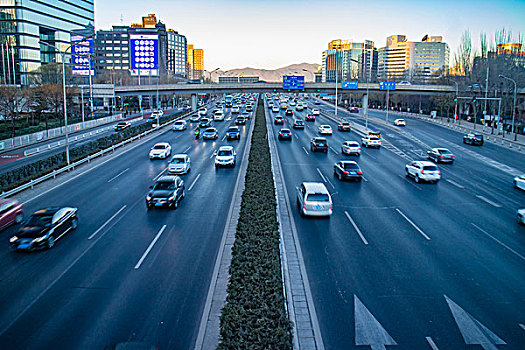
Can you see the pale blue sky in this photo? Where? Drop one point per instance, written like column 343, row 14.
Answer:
column 271, row 34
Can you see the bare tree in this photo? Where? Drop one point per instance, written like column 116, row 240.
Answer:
column 463, row 55
column 13, row 102
column 483, row 43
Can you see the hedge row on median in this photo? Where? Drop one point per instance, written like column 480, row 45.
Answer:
column 14, row 178
column 254, row 316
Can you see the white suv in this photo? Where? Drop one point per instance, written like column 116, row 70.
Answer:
column 325, row 130
column 314, row 199
column 351, row 147
column 371, row 141
column 422, row 170
column 225, row 156
column 315, row 111
column 219, row 116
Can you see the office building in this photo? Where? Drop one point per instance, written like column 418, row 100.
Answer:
column 25, row 23
column 177, row 54
column 112, row 49
column 195, row 63
column 349, row 60
column 409, row 60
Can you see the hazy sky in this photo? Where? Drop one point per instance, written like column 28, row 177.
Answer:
column 271, row 34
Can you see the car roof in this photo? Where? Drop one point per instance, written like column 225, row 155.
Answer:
column 285, row 129
column 179, row 155
column 210, row 130
column 349, row 162
column 48, row 211
column 233, row 127
column 167, row 178
column 315, row 187
column 352, row 142
column 226, row 148
column 424, row 162
column 325, row 126
column 162, row 144
column 319, row 138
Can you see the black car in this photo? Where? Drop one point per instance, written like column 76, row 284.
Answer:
column 310, row 118
column 285, row 134
column 210, row 134
column 353, row 110
column 473, row 139
column 319, row 144
column 348, row 170
column 240, row 121
column 205, row 123
column 44, row 228
column 122, row 125
column 167, row 191
column 246, row 115
column 298, row 124
column 344, row 126
column 289, row 112
column 233, row 133
column 278, row 120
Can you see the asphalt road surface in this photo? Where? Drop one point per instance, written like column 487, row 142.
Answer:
column 411, row 265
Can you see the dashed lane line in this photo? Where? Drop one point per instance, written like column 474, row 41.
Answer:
column 107, row 222
column 486, row 200
column 413, row 225
column 431, row 343
column 150, row 247
column 114, row 177
column 193, row 183
column 497, row 240
column 454, row 183
column 356, row 228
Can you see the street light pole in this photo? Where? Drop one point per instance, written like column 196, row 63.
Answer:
column 456, row 102
column 336, row 75
column 514, row 105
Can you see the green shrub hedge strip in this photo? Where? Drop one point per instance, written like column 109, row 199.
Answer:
column 254, row 316
column 17, row 177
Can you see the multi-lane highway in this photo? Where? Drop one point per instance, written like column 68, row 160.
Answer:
column 417, row 265
column 126, row 274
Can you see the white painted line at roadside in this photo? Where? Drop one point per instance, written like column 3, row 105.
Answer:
column 356, row 228
column 305, row 151
column 320, row 173
column 488, row 201
column 114, row 177
column 187, row 149
column 193, row 183
column 107, row 222
column 413, row 225
column 431, row 343
column 522, row 326
column 497, row 240
column 454, row 183
column 150, row 247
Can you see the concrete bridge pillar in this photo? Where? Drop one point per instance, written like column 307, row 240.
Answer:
column 364, row 104
column 193, row 102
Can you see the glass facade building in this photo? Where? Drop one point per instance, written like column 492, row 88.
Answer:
column 177, row 54
column 23, row 24
column 350, row 61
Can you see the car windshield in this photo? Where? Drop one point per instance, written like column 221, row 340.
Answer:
column 179, row 123
column 374, row 138
column 233, row 130
column 159, row 147
column 444, row 151
column 318, row 197
column 210, row 130
column 224, row 153
column 352, row 144
column 177, row 161
column 479, row 137
column 350, row 166
column 430, row 167
column 40, row 220
column 164, row 186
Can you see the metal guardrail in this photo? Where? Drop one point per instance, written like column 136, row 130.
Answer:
column 87, row 159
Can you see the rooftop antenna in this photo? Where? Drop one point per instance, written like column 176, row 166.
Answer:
column 121, row 19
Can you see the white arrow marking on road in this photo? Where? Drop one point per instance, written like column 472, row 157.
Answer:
column 368, row 331
column 473, row 332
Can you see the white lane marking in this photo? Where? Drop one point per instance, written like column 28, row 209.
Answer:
column 356, row 228
column 330, row 182
column 107, row 222
column 497, row 240
column 305, row 151
column 187, row 149
column 454, row 183
column 114, row 177
column 320, row 173
column 193, row 183
column 522, row 326
column 223, row 138
column 488, row 201
column 333, row 149
column 413, row 225
column 431, row 343
column 368, row 330
column 150, row 247
column 364, row 178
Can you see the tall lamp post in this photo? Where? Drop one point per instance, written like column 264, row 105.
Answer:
column 211, row 72
column 514, row 105
column 63, row 53
column 367, row 94
column 455, row 101
column 336, row 77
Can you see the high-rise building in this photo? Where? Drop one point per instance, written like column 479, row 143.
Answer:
column 349, row 60
column 177, row 54
column 26, row 23
column 409, row 60
column 195, row 63
column 112, row 49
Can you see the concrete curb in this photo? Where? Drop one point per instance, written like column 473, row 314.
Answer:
column 300, row 303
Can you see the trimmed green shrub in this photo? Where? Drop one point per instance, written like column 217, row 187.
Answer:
column 254, row 316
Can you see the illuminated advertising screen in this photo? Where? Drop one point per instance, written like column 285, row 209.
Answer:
column 144, row 54
column 81, row 50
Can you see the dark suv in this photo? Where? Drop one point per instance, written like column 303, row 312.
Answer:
column 473, row 139
column 167, row 191
column 319, row 144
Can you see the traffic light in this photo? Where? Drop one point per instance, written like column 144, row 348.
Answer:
column 474, row 99
column 274, row 90
column 456, row 99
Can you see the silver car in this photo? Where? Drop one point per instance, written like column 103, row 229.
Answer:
column 313, row 199
column 179, row 164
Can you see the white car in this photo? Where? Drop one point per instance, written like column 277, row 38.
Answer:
column 203, row 112
column 219, row 116
column 325, row 130
column 235, row 109
column 521, row 216
column 275, row 109
column 161, row 150
column 160, row 112
column 315, row 111
column 179, row 164
column 351, row 147
column 371, row 141
column 422, row 170
column 400, row 122
column 519, row 182
column 195, row 118
column 225, row 156
column 180, row 125
column 313, row 199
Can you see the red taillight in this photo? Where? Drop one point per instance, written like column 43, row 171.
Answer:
column 440, row 156
column 359, row 173
column 453, row 156
column 422, row 171
column 439, row 172
column 345, row 172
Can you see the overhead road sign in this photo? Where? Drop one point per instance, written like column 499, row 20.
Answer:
column 387, row 85
column 293, row 82
column 350, row 85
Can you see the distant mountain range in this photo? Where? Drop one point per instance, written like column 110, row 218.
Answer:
column 271, row 75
